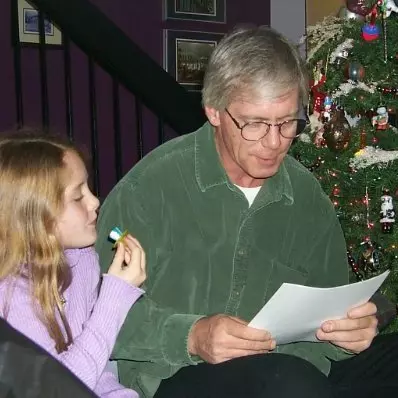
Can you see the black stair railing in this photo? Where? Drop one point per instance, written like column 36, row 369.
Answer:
column 108, row 46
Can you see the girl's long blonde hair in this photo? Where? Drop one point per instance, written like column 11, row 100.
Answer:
column 32, row 186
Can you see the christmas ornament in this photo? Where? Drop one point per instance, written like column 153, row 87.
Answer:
column 337, row 132
column 370, row 32
column 358, row 7
column 390, row 6
column 387, row 212
column 369, row 259
column 340, row 54
column 327, row 109
column 316, row 85
column 381, row 119
column 345, row 13
column 354, row 71
column 341, row 57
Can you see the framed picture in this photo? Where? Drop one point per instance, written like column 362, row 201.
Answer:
column 186, row 55
column 28, row 22
column 198, row 10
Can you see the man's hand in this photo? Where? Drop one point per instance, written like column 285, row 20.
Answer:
column 219, row 338
column 354, row 333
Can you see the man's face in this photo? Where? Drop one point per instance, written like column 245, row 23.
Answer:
column 245, row 161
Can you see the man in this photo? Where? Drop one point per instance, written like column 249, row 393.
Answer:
column 226, row 216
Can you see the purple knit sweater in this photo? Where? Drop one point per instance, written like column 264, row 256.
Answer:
column 95, row 319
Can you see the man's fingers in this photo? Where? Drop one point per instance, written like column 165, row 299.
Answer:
column 241, row 331
column 250, row 345
column 346, row 336
column 349, row 324
column 363, row 311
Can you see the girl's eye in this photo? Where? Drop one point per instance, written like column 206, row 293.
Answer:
column 79, row 198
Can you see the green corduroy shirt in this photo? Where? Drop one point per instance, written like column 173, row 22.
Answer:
column 208, row 252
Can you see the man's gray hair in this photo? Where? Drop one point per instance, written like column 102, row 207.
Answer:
column 253, row 64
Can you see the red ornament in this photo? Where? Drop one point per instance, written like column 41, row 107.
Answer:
column 354, row 71
column 317, row 95
column 336, row 190
column 371, row 31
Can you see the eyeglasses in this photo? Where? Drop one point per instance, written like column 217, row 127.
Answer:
column 255, row 131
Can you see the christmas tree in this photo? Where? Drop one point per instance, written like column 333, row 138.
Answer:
column 351, row 144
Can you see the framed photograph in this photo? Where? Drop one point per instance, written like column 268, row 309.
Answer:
column 28, row 22
column 186, row 55
column 197, row 10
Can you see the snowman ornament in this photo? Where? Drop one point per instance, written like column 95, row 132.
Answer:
column 381, row 119
column 327, row 110
column 391, row 6
column 387, row 213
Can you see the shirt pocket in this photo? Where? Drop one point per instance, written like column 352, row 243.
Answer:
column 282, row 273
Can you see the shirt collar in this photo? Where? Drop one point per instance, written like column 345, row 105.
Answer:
column 210, row 172
column 208, row 169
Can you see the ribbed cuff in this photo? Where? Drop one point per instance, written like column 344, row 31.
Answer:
column 175, row 339
column 116, row 297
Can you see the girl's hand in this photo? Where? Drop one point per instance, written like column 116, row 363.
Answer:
column 129, row 262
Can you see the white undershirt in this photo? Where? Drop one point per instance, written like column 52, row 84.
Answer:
column 250, row 193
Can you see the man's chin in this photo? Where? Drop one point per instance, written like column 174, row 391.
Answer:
column 265, row 172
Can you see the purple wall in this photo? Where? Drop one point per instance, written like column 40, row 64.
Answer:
column 145, row 26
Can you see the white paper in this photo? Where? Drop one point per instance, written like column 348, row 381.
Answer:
column 295, row 312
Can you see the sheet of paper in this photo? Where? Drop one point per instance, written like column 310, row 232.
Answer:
column 295, row 312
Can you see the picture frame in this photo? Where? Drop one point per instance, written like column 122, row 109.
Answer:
column 196, row 10
column 186, row 54
column 28, row 26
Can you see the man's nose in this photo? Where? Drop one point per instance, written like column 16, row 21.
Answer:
column 272, row 139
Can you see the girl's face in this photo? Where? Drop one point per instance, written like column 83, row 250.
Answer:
column 76, row 224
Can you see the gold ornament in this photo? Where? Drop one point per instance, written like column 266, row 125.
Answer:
column 337, row 132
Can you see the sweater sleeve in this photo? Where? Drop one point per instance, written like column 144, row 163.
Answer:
column 89, row 353
column 87, row 356
column 109, row 387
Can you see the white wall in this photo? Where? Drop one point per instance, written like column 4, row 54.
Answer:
column 288, row 17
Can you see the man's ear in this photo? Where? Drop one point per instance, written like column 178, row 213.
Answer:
column 213, row 115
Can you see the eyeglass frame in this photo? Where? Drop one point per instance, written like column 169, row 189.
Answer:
column 269, row 125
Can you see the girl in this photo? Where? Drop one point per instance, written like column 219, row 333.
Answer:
column 49, row 272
